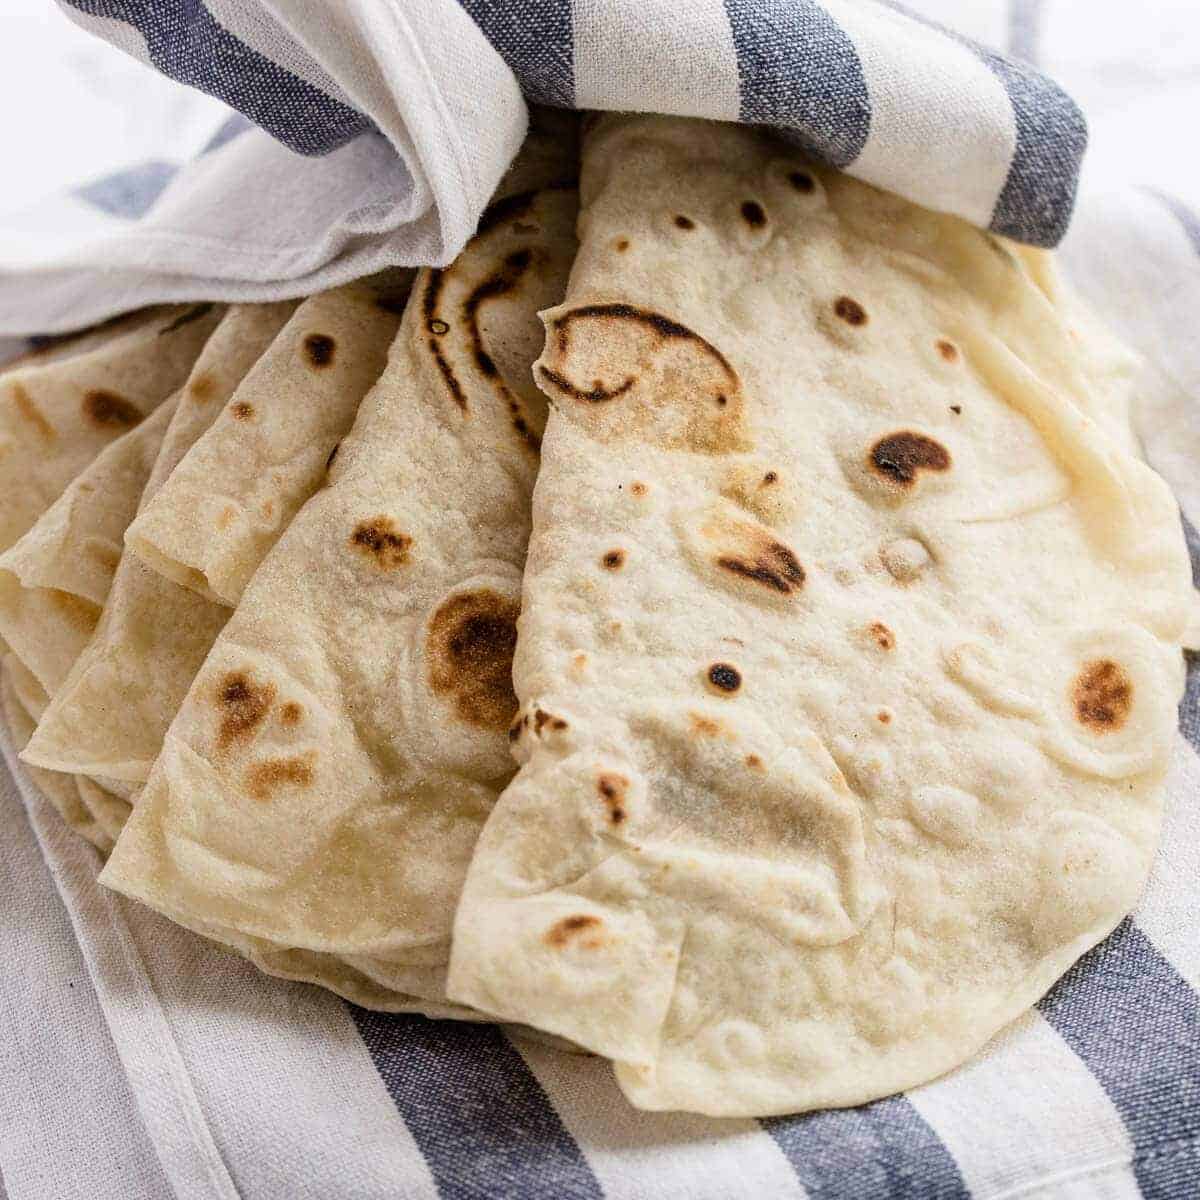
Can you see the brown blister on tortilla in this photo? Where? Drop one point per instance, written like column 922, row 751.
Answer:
column 243, row 705
column 1103, row 696
column 202, row 388
column 319, row 350
column 242, row 411
column 849, row 310
column 265, row 778
column 580, row 930
column 614, row 789
column 675, row 389
column 703, row 726
column 291, row 713
column 900, row 457
column 469, row 648
column 884, row 638
column 31, row 413
column 109, row 410
column 379, row 540
column 613, row 560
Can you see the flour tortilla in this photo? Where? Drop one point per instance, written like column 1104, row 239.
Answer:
column 849, row 650
column 320, row 791
column 239, row 486
column 17, row 686
column 108, row 717
column 59, row 409
column 108, row 810
column 55, row 579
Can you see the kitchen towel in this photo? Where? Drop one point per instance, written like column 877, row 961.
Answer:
column 372, row 132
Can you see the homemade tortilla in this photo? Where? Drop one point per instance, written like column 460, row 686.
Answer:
column 850, row 643
column 319, row 794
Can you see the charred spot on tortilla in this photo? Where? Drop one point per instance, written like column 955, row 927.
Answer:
column 662, row 329
column 186, row 318
column 613, row 560
column 243, row 705
column 380, row 540
column 772, row 564
column 771, row 477
column 319, row 349
column 682, row 222
column 470, row 645
column 948, row 350
column 242, row 411
column 884, row 638
column 452, row 384
column 291, row 713
column 108, row 409
column 595, row 394
column 31, row 413
column 201, row 388
column 622, row 244
column 956, row 409
column 850, row 311
column 581, row 929
column 802, row 181
column 1103, row 696
column 613, row 789
column 753, row 214
column 265, row 778
column 900, row 456
column 438, row 326
column 724, row 678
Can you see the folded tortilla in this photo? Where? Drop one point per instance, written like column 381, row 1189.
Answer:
column 60, row 408
column 20, row 697
column 319, row 794
column 55, row 579
column 109, row 714
column 238, row 487
column 850, row 643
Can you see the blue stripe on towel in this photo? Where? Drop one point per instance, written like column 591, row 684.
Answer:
column 130, row 193
column 881, row 1150
column 186, row 43
column 799, row 70
column 537, row 40
column 1135, row 1023
column 480, row 1118
column 1038, row 196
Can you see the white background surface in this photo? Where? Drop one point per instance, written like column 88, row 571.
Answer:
column 76, row 107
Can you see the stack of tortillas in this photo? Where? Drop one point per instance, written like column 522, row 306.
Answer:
column 849, row 637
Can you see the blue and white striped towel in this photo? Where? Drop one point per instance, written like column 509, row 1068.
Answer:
column 139, row 1062
column 391, row 123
